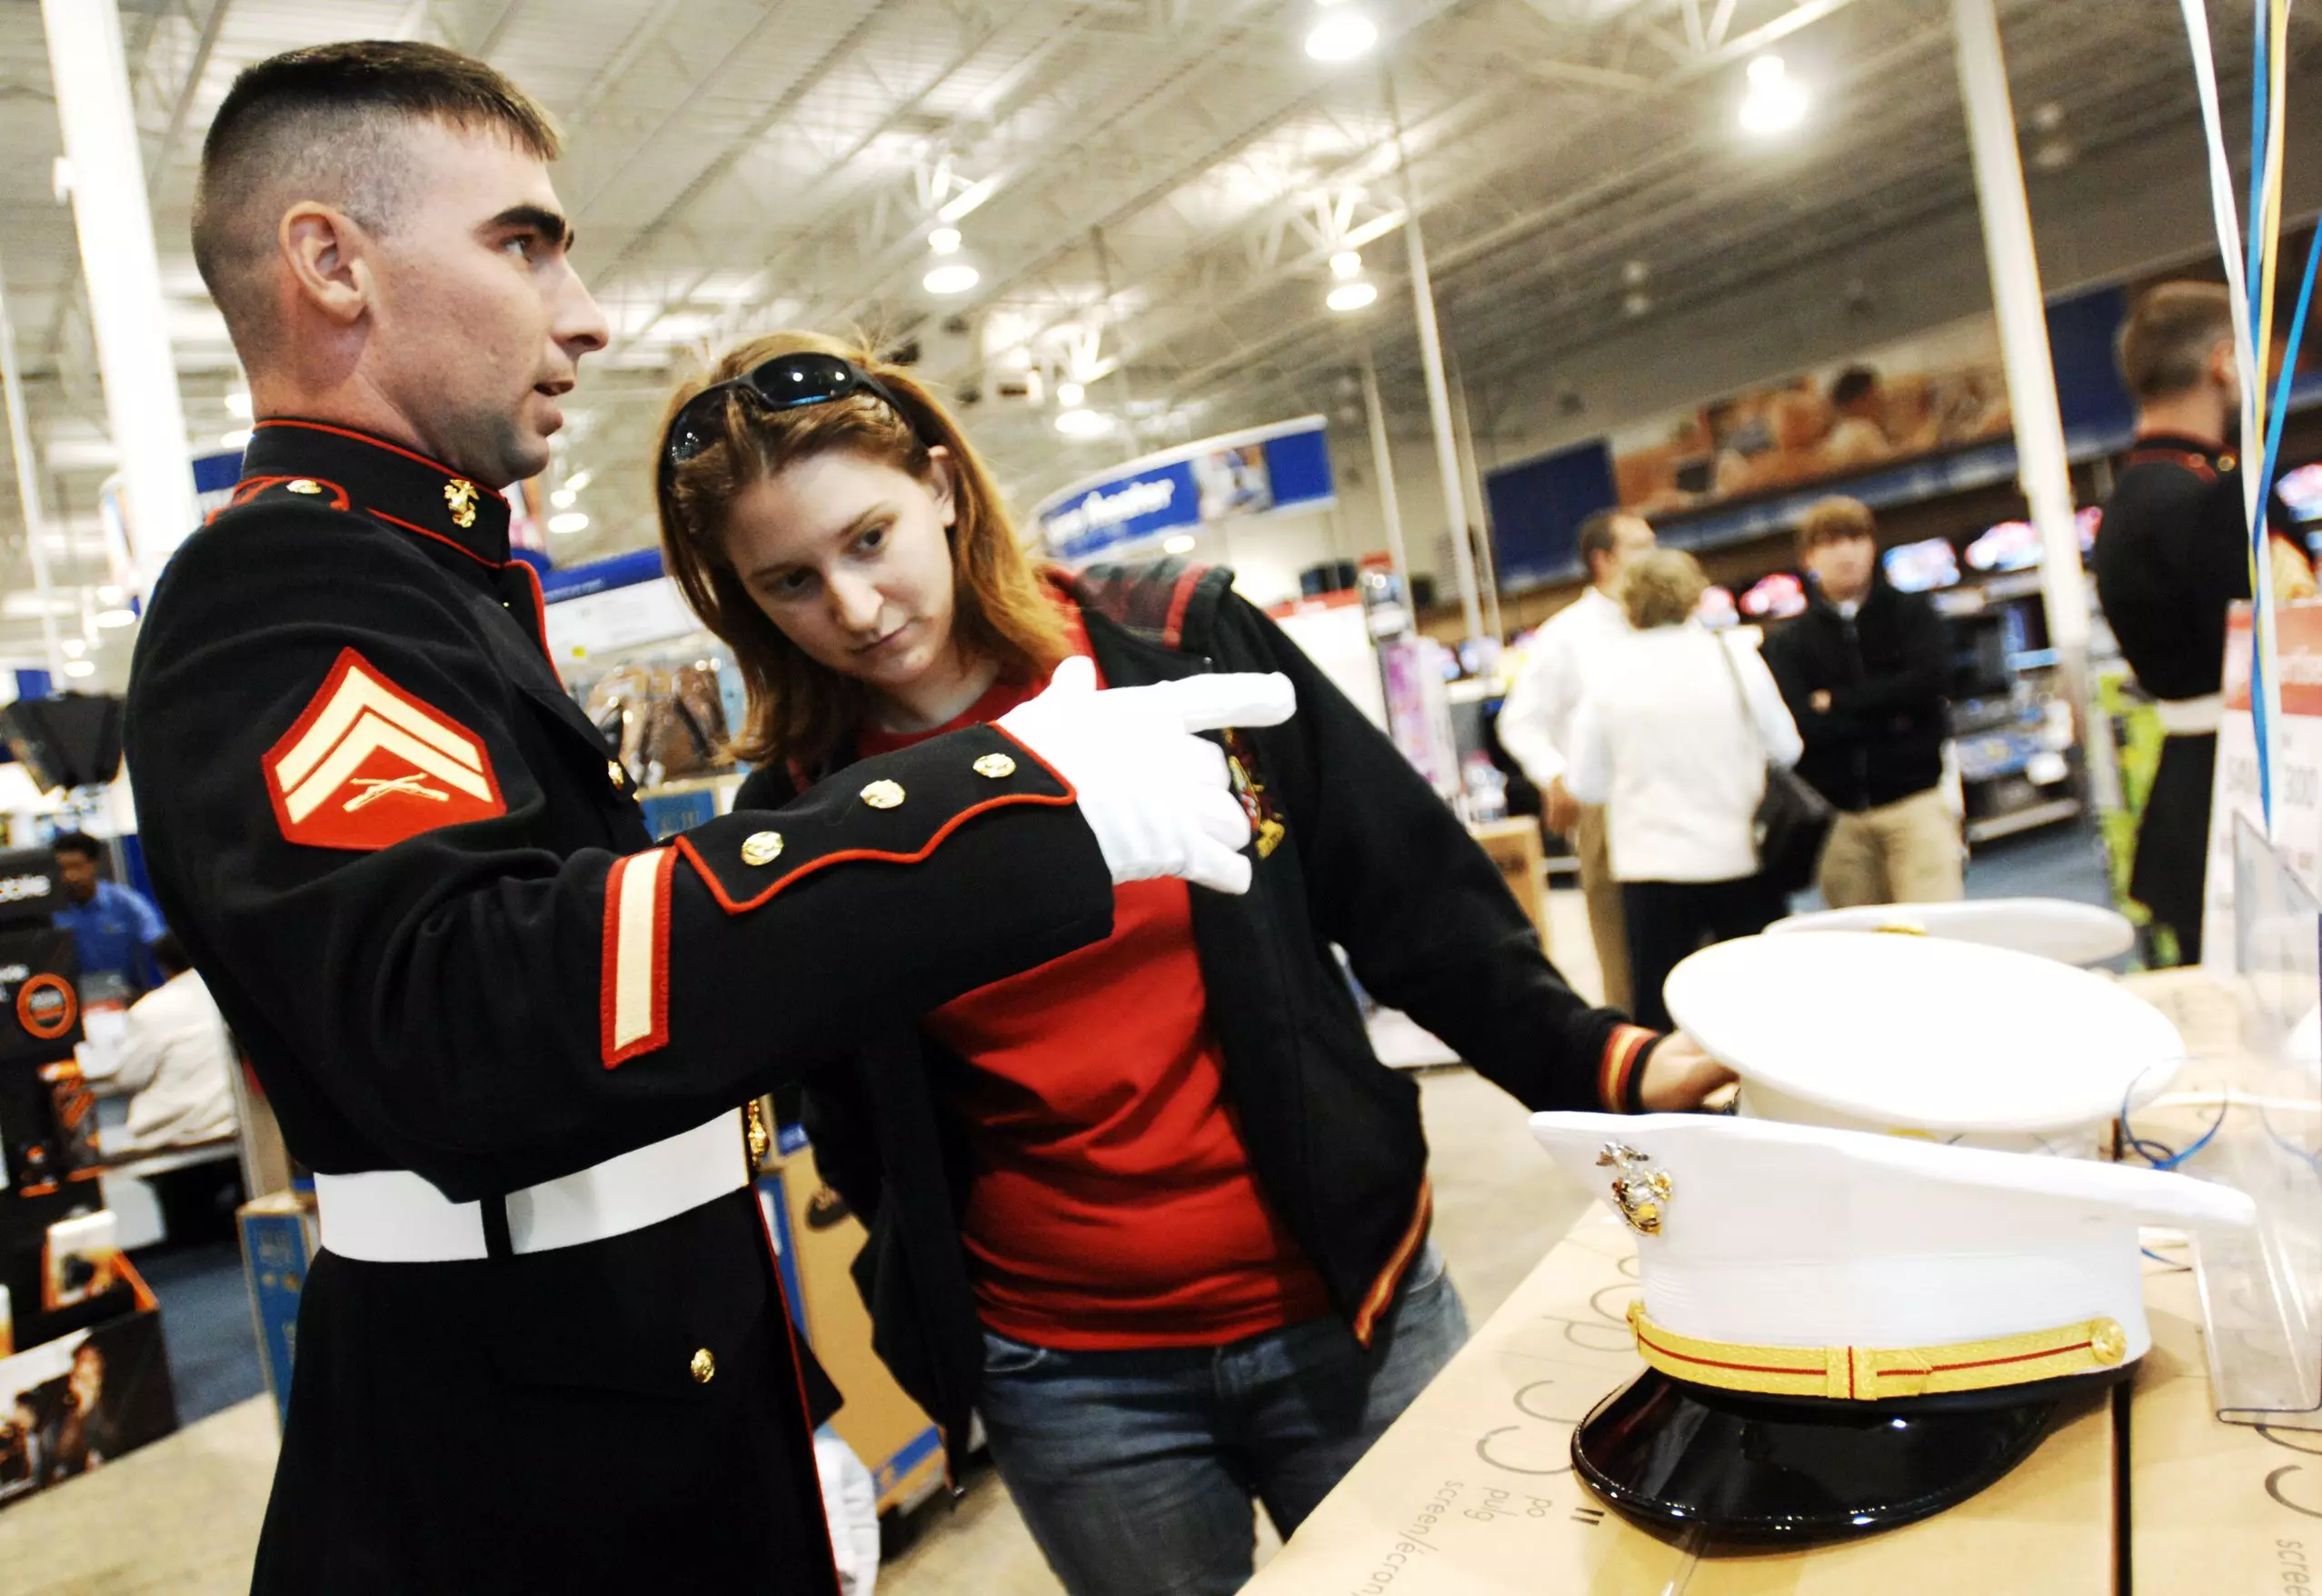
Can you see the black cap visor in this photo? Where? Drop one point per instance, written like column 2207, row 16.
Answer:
column 1755, row 1468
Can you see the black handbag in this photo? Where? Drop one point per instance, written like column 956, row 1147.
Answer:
column 1792, row 821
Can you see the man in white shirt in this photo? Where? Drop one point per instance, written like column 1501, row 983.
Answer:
column 174, row 1057
column 1536, row 727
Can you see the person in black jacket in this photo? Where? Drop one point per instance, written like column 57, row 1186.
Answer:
column 1155, row 1210
column 1863, row 671
column 513, row 1037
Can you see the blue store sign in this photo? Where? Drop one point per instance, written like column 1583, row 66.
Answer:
column 1265, row 470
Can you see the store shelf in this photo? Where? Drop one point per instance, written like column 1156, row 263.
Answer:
column 2023, row 820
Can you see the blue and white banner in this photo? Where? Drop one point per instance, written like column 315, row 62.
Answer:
column 1265, row 470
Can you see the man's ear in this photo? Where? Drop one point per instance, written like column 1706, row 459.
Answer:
column 325, row 251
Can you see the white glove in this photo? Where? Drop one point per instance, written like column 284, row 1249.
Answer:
column 1157, row 796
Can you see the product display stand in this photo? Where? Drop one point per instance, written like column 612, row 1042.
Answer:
column 83, row 1376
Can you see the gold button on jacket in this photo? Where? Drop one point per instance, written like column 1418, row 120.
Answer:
column 998, row 766
column 762, row 848
column 704, row 1367
column 883, row 795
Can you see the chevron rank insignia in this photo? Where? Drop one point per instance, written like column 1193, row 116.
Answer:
column 368, row 765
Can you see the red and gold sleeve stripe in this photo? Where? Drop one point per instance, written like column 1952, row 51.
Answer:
column 634, row 1006
column 1624, row 1055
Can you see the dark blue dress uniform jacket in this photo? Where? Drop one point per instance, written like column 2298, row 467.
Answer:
column 396, row 849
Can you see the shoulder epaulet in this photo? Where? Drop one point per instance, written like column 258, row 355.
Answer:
column 300, row 490
column 1166, row 600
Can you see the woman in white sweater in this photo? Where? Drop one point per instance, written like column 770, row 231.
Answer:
column 1673, row 736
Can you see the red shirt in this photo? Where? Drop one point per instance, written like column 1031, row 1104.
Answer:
column 1113, row 1204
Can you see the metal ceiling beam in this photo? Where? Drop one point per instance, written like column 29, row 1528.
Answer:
column 187, row 90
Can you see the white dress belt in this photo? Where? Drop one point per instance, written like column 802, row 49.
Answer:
column 394, row 1216
column 2191, row 717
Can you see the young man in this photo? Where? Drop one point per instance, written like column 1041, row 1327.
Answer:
column 511, row 1035
column 114, row 927
column 1863, row 672
column 2172, row 556
column 1536, row 726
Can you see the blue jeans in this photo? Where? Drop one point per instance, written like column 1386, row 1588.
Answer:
column 1135, row 1470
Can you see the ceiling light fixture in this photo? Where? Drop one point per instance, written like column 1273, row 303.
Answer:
column 571, row 520
column 1071, row 394
column 956, row 278
column 1180, row 545
column 944, row 241
column 1083, row 424
column 1347, row 262
column 114, row 620
column 80, row 667
column 564, row 498
column 1776, row 101
column 111, row 595
column 237, row 439
column 577, row 481
column 1354, row 295
column 238, row 404
column 1342, row 35
column 73, row 647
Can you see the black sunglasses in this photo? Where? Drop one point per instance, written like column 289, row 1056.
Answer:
column 784, row 383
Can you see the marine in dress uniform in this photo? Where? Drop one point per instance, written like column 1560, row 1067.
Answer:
column 2172, row 557
column 544, row 1347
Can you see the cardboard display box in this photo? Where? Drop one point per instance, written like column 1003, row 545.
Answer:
column 1472, row 1494
column 2213, row 1507
column 79, row 1401
column 890, row 1433
column 280, row 1236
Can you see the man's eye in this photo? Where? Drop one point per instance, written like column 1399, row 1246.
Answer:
column 521, row 246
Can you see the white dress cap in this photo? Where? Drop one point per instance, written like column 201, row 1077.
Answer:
column 1858, row 1246
column 2054, row 928
column 1918, row 1033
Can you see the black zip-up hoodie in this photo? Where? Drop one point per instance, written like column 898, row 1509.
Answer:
column 1367, row 857
column 1882, row 740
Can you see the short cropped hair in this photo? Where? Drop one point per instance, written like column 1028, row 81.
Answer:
column 1661, row 587
column 170, row 954
column 79, row 843
column 2166, row 342
column 318, row 124
column 1597, row 533
column 1827, row 521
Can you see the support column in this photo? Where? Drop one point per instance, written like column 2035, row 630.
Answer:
column 28, row 489
column 1383, row 467
column 1472, row 474
column 117, row 260
column 1439, row 392
column 2041, row 463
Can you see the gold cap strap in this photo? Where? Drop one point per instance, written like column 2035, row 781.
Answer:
column 1873, row 1373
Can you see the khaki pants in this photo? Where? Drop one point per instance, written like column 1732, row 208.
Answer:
column 1607, row 927
column 1908, row 851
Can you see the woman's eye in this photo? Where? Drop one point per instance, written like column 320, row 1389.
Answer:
column 872, row 541
column 791, row 583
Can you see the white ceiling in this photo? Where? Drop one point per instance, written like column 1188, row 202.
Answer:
column 1150, row 189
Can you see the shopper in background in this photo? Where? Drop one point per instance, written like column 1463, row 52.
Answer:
column 2172, row 556
column 114, row 927
column 1863, row 671
column 1672, row 738
column 174, row 1059
column 1155, row 1210
column 544, row 1344
column 1535, row 726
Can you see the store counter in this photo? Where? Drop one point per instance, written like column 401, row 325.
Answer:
column 1471, row 1493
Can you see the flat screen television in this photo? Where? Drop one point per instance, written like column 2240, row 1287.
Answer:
column 1921, row 566
column 1775, row 598
column 2301, row 490
column 2015, row 545
column 73, row 740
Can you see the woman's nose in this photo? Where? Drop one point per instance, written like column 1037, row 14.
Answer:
column 857, row 601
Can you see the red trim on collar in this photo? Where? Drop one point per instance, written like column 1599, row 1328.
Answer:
column 449, row 543
column 376, row 443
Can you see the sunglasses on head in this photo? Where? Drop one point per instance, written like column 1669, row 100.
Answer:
column 787, row 381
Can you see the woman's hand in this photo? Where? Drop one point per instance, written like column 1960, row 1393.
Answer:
column 1679, row 1075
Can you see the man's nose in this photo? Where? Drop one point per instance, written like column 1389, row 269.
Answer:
column 581, row 326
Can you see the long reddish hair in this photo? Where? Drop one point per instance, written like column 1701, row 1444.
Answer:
column 801, row 711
